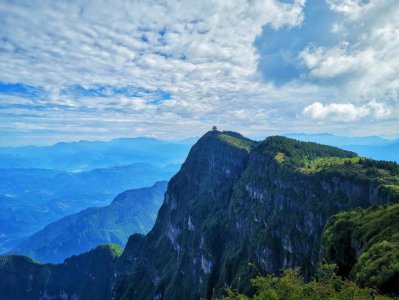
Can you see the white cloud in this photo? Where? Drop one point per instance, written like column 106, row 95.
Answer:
column 201, row 52
column 53, row 44
column 365, row 63
column 334, row 62
column 345, row 112
column 352, row 8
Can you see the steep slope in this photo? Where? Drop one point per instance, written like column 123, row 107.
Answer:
column 87, row 276
column 33, row 198
column 178, row 250
column 237, row 208
column 133, row 211
column 365, row 245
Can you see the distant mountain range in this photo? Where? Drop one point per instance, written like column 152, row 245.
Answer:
column 88, row 155
column 339, row 141
column 133, row 211
column 41, row 184
column 30, row 199
column 388, row 152
column 368, row 146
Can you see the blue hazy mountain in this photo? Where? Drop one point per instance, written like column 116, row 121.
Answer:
column 339, row 141
column 32, row 198
column 87, row 155
column 387, row 152
column 133, row 211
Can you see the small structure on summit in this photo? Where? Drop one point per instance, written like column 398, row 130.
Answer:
column 214, row 128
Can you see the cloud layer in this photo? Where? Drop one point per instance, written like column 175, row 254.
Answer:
column 101, row 69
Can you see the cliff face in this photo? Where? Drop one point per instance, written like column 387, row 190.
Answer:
column 189, row 233
column 237, row 208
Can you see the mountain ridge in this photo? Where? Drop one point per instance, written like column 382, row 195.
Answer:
column 88, row 155
column 33, row 198
column 132, row 211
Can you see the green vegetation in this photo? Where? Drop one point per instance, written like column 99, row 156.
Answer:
column 365, row 246
column 314, row 160
column 291, row 286
column 295, row 154
column 384, row 172
column 236, row 140
column 322, row 163
column 114, row 250
column 86, row 276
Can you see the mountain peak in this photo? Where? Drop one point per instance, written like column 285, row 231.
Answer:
column 229, row 138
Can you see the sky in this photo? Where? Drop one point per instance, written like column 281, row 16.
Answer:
column 97, row 69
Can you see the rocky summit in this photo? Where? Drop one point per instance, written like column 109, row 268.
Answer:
column 237, row 208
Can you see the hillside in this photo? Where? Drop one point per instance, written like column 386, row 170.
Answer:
column 80, row 277
column 239, row 208
column 365, row 246
column 133, row 211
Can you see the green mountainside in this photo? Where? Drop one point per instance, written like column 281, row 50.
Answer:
column 365, row 246
column 232, row 207
column 239, row 208
column 133, row 211
column 87, row 276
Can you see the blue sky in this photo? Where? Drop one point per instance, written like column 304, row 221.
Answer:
column 81, row 69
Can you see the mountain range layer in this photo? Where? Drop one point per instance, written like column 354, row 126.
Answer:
column 33, row 198
column 133, row 211
column 88, row 155
column 236, row 208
